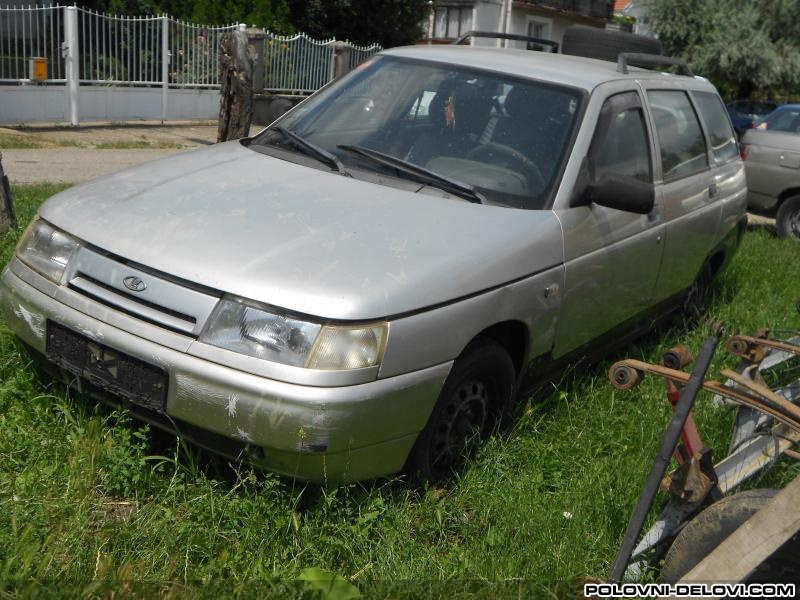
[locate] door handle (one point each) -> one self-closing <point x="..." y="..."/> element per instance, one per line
<point x="712" y="191"/>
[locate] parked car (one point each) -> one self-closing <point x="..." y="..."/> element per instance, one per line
<point x="784" y="118"/>
<point x="745" y="113"/>
<point x="368" y="284"/>
<point x="772" y="163"/>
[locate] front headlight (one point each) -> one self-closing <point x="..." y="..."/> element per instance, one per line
<point x="242" y="327"/>
<point x="46" y="250"/>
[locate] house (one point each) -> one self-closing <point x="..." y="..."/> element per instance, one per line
<point x="546" y="19"/>
<point x="636" y="10"/>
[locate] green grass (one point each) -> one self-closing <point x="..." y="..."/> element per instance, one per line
<point x="17" y="142"/>
<point x="92" y="503"/>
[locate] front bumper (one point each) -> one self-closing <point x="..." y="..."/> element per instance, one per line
<point x="320" y="434"/>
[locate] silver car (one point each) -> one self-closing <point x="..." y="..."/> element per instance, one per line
<point x="368" y="284"/>
<point x="772" y="163"/>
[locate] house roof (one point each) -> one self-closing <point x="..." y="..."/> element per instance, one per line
<point x="619" y="5"/>
<point x="575" y="71"/>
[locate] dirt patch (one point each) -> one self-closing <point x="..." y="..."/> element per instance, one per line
<point x="110" y="136"/>
<point x="57" y="153"/>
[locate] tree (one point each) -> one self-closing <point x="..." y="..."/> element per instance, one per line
<point x="270" y="14"/>
<point x="387" y="22"/>
<point x="741" y="45"/>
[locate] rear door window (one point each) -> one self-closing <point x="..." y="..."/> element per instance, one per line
<point x="720" y="132"/>
<point x="680" y="139"/>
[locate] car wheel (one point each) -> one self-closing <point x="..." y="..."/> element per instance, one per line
<point x="476" y="394"/>
<point x="787" y="220"/>
<point x="712" y="526"/>
<point x="694" y="303"/>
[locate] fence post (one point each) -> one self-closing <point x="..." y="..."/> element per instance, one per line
<point x="332" y="67"/>
<point x="165" y="60"/>
<point x="70" y="52"/>
<point x="342" y="59"/>
<point x="256" y="39"/>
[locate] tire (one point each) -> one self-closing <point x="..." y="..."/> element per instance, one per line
<point x="712" y="526"/>
<point x="603" y="44"/>
<point x="696" y="298"/>
<point x="476" y="395"/>
<point x="787" y="219"/>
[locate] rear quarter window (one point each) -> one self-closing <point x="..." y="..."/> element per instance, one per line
<point x="720" y="132"/>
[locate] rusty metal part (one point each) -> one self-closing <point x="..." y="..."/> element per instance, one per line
<point x="779" y="408"/>
<point x="677" y="358"/>
<point x="792" y="454"/>
<point x="624" y="377"/>
<point x="669" y="440"/>
<point x="748" y="459"/>
<point x="757" y="387"/>
<point x="753" y="348"/>
<point x="693" y="480"/>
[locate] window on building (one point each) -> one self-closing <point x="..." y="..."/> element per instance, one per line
<point x="451" y="22"/>
<point x="538" y="28"/>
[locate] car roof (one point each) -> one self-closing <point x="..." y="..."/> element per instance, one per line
<point x="576" y="71"/>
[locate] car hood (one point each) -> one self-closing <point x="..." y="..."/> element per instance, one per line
<point x="301" y="238"/>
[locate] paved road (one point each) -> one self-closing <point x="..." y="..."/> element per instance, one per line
<point x="72" y="165"/>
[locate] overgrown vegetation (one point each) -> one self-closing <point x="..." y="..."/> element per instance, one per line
<point x="746" y="48"/>
<point x="92" y="503"/>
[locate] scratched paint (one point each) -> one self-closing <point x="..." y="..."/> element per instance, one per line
<point x="233" y="399"/>
<point x="34" y="321"/>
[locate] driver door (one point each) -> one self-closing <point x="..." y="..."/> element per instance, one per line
<point x="612" y="257"/>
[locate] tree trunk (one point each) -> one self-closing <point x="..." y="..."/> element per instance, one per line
<point x="7" y="217"/>
<point x="236" y="93"/>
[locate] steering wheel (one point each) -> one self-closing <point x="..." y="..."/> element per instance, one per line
<point x="515" y="155"/>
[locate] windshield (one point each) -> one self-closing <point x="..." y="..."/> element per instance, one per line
<point x="506" y="137"/>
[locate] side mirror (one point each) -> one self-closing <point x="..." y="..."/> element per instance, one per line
<point x="623" y="193"/>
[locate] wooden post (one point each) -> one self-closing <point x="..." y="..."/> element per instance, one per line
<point x="236" y="92"/>
<point x="7" y="217"/>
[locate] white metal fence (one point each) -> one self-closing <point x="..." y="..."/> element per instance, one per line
<point x="28" y="32"/>
<point x="301" y="65"/>
<point x="359" y="54"/>
<point x="85" y="48"/>
<point x="109" y="49"/>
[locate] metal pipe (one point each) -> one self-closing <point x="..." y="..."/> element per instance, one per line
<point x="73" y="69"/>
<point x="164" y="65"/>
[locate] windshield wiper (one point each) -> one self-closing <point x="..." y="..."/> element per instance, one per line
<point x="320" y="153"/>
<point x="421" y="174"/>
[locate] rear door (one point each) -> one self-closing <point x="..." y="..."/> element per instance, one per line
<point x="684" y="186"/>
